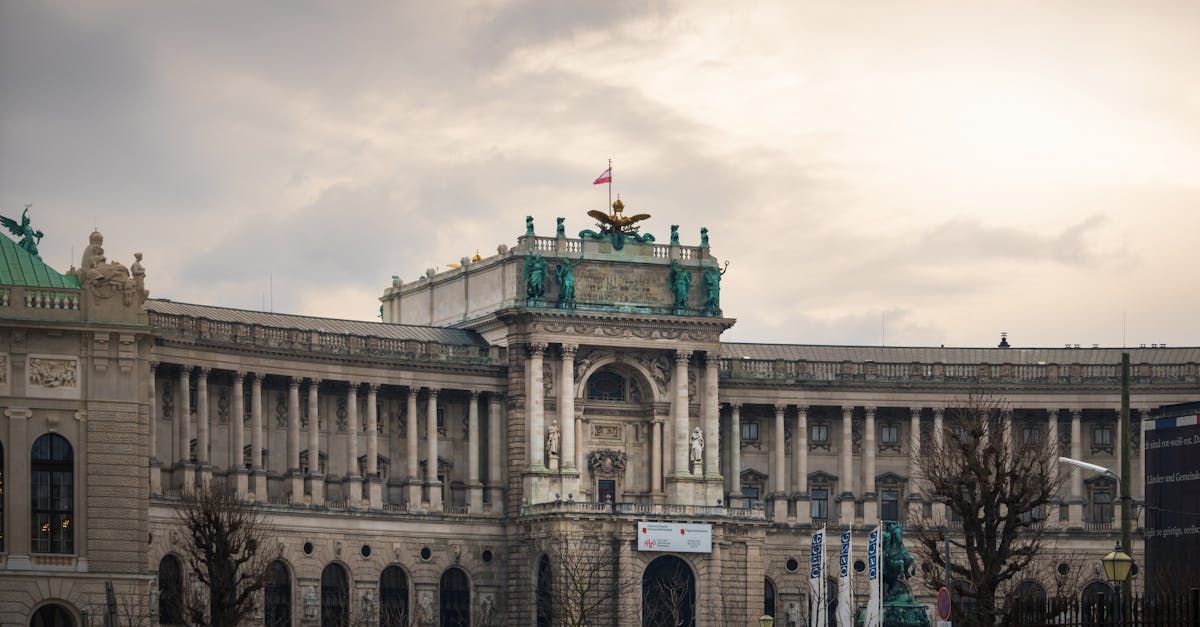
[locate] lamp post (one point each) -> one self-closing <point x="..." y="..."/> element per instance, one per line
<point x="766" y="621"/>
<point x="1123" y="490"/>
<point x="1117" y="565"/>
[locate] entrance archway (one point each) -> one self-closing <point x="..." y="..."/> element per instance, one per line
<point x="668" y="593"/>
<point x="52" y="615"/>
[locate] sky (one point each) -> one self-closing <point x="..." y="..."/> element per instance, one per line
<point x="906" y="173"/>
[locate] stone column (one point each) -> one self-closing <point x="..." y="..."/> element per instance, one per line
<point x="19" y="540"/>
<point x="914" y="453"/>
<point x="316" y="478"/>
<point x="803" y="511"/>
<point x="712" y="418"/>
<point x="431" y="451"/>
<point x="1055" y="506"/>
<point x="474" y="487"/>
<point x="495" y="442"/>
<point x="779" y="475"/>
<point x="566" y="407"/>
<point x="679" y="411"/>
<point x="735" y="454"/>
<point x="374" y="481"/>
<point x="187" y="478"/>
<point x="155" y="465"/>
<point x="412" y="457"/>
<point x="939" y="431"/>
<point x="1075" y="503"/>
<point x="295" y="478"/>
<point x="353" y="480"/>
<point x="237" y="464"/>
<point x="870" y="497"/>
<point x="656" y="456"/>
<point x="256" y="439"/>
<point x="846" y="454"/>
<point x="203" y="463"/>
<point x="534" y="404"/>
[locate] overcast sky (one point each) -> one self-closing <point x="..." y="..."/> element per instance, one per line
<point x="956" y="169"/>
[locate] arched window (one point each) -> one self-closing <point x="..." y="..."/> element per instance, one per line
<point x="335" y="597"/>
<point x="1098" y="604"/>
<point x="545" y="593"/>
<point x="668" y="593"/>
<point x="606" y="385"/>
<point x="170" y="591"/>
<point x="1031" y="602"/>
<point x="769" y="598"/>
<point x="52" y="615"/>
<point x="456" y="599"/>
<point x="52" y="490"/>
<point x="393" y="598"/>
<point x="277" y="596"/>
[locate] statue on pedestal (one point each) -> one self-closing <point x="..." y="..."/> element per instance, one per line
<point x="565" y="272"/>
<point x="535" y="276"/>
<point x="552" y="439"/>
<point x="696" y="449"/>
<point x="29" y="237"/>
<point x="681" y="283"/>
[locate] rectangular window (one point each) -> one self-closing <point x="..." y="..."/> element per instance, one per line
<point x="749" y="431"/>
<point x="889" y="435"/>
<point x="1030" y="433"/>
<point x="820" y="503"/>
<point x="606" y="491"/>
<point x="53" y="496"/>
<point x="1102" y="508"/>
<point x="889" y="505"/>
<point x="1102" y="436"/>
<point x="749" y="496"/>
<point x="818" y="434"/>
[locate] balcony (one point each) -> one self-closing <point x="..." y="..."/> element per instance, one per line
<point x="645" y="510"/>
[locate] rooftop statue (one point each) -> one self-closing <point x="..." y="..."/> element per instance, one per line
<point x="535" y="276"/>
<point x="711" y="280"/>
<point x="29" y="237"/>
<point x="565" y="272"/>
<point x="617" y="227"/>
<point x="681" y="283"/>
<point x="105" y="279"/>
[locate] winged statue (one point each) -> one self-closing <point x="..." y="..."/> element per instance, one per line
<point x="29" y="237"/>
<point x="617" y="226"/>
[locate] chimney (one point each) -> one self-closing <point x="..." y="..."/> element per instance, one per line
<point x="1003" y="340"/>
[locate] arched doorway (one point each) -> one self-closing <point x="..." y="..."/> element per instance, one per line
<point x="769" y="598"/>
<point x="1031" y="602"/>
<point x="393" y="597"/>
<point x="456" y="598"/>
<point x="668" y="593"/>
<point x="545" y="593"/>
<point x="277" y="596"/>
<point x="170" y="591"/>
<point x="335" y="597"/>
<point x="52" y="615"/>
<point x="1098" y="604"/>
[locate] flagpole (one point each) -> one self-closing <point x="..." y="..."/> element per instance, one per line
<point x="610" y="183"/>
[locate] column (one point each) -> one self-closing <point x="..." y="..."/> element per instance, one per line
<point x="846" y="453"/>
<point x="735" y="455"/>
<point x="495" y="440"/>
<point x="656" y="455"/>
<point x="256" y="439"/>
<point x="203" y="464"/>
<point x="870" y="497"/>
<point x="19" y="543"/>
<point x="316" y="478"/>
<point x="1052" y="470"/>
<point x="939" y="430"/>
<point x="712" y="417"/>
<point x="186" y="478"/>
<point x="237" y="464"/>
<point x="374" y="481"/>
<point x="1075" y="503"/>
<point x="914" y="453"/>
<point x="779" y="477"/>
<point x="679" y="411"/>
<point x="412" y="459"/>
<point x="295" y="478"/>
<point x="431" y="451"/>
<point x="803" y="511"/>
<point x="353" y="480"/>
<point x="566" y="407"/>
<point x="155" y="465"/>
<point x="534" y="405"/>
<point x="474" y="487"/>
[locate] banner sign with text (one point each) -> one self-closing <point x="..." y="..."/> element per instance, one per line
<point x="674" y="537"/>
<point x="1172" y="499"/>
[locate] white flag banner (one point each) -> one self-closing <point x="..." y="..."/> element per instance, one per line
<point x="816" y="580"/>
<point x="845" y="608"/>
<point x="874" y="614"/>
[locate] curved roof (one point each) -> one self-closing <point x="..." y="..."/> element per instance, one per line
<point x="18" y="267"/>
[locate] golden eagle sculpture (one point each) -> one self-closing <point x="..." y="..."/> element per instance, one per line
<point x="617" y="227"/>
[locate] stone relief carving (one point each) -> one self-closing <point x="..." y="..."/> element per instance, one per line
<point x="168" y="402"/>
<point x="310" y="602"/>
<point x="604" y="431"/>
<point x="341" y="414"/>
<point x="402" y="419"/>
<point x="53" y="373"/>
<point x="607" y="461"/>
<point x="691" y="383"/>
<point x="856" y="437"/>
<point x="223" y="406"/>
<point x="548" y="378"/>
<point x="281" y="411"/>
<point x="487" y="604"/>
<point x="3" y="369"/>
<point x="425" y="605"/>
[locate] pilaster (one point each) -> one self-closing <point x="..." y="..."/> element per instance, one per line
<point x="155" y="465"/>
<point x="474" y="486"/>
<point x="237" y="464"/>
<point x="735" y="454"/>
<point x="295" y="478"/>
<point x="431" y="451"/>
<point x="870" y="497"/>
<point x="374" y="481"/>
<point x="354" y="484"/>
<point x="316" y="478"/>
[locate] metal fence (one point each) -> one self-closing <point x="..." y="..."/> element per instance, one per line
<point x="1101" y="610"/>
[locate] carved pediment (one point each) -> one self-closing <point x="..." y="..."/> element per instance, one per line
<point x="890" y="478"/>
<point x="821" y="476"/>
<point x="752" y="475"/>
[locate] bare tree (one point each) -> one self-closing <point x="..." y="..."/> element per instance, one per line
<point x="669" y="599"/>
<point x="225" y="554"/>
<point x="583" y="584"/>
<point x="999" y="487"/>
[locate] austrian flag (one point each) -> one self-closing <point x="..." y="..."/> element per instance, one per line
<point x="605" y="177"/>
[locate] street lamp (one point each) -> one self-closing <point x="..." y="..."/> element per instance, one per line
<point x="766" y="621"/>
<point x="1116" y="567"/>
<point x="1096" y="468"/>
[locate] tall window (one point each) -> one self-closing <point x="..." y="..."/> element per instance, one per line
<point x="749" y="431"/>
<point x="393" y="598"/>
<point x="170" y="591"/>
<point x="818" y="433"/>
<point x="545" y="593"/>
<point x="53" y="495"/>
<point x="1102" y="438"/>
<point x="456" y="599"/>
<point x="768" y="597"/>
<point x="889" y="505"/>
<point x="820" y="503"/>
<point x="1102" y="506"/>
<point x="277" y="596"/>
<point x="335" y="597"/>
<point x="889" y="435"/>
<point x="1" y="497"/>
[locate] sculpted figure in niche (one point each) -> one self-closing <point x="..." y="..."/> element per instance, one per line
<point x="681" y="283"/>
<point x="696" y="450"/>
<point x="552" y="439"/>
<point x="535" y="276"/>
<point x="565" y="273"/>
<point x="711" y="280"/>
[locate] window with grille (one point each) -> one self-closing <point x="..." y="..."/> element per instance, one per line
<point x="53" y="494"/>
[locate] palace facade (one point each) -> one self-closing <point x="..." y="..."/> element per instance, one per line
<point x="563" y="387"/>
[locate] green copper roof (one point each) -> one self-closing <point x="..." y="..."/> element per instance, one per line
<point x="18" y="267"/>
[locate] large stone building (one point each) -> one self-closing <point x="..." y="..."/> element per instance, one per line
<point x="563" y="386"/>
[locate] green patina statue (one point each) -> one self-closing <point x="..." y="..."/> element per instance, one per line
<point x="899" y="607"/>
<point x="711" y="280"/>
<point x="565" y="272"/>
<point x="535" y="276"/>
<point x="674" y="234"/>
<point x="681" y="283"/>
<point x="560" y="231"/>
<point x="528" y="226"/>
<point x="616" y="227"/>
<point x="704" y="237"/>
<point x="29" y="237"/>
